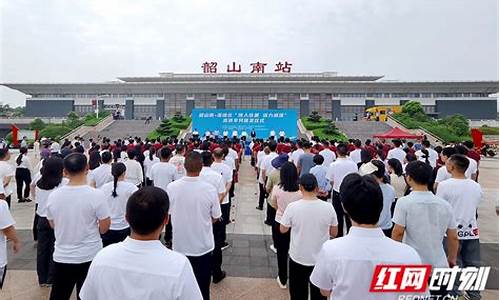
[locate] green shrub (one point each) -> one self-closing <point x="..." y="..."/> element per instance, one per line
<point x="55" y="131"/>
<point x="37" y="124"/>
<point x="487" y="130"/>
<point x="314" y="117"/>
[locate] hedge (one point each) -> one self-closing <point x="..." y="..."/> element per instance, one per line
<point x="318" y="128"/>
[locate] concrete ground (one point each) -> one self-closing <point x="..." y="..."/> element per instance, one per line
<point x="250" y="265"/>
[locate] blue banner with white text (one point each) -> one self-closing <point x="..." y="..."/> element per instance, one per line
<point x="262" y="121"/>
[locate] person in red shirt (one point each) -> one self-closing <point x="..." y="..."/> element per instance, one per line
<point x="370" y="148"/>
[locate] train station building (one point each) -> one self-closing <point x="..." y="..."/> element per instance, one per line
<point x="333" y="96"/>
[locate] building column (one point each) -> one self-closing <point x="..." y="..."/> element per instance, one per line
<point x="129" y="109"/>
<point x="272" y="104"/>
<point x="100" y="105"/>
<point x="190" y="106"/>
<point x="221" y="104"/>
<point x="160" y="108"/>
<point x="304" y="108"/>
<point x="336" y="110"/>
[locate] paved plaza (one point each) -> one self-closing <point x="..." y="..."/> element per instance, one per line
<point x="250" y="265"/>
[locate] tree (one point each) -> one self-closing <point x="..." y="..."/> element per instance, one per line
<point x="457" y="124"/>
<point x="314" y="117"/>
<point x="37" y="124"/>
<point x="413" y="108"/>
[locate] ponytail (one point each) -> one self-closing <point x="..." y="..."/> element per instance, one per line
<point x="151" y="152"/>
<point x="117" y="170"/>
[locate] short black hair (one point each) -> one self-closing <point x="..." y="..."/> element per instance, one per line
<point x="272" y="146"/>
<point x="165" y="152"/>
<point x="318" y="159"/>
<point x="75" y="163"/>
<point x="468" y="144"/>
<point x="461" y="149"/>
<point x="397" y="143"/>
<point x="146" y="209"/>
<point x="460" y="161"/>
<point x="448" y="151"/>
<point x="193" y="162"/>
<point x="131" y="154"/>
<point x="342" y="149"/>
<point x="362" y="198"/>
<point x="308" y="182"/>
<point x="419" y="171"/>
<point x="426" y="143"/>
<point x="106" y="157"/>
<point x="380" y="173"/>
<point x="207" y="158"/>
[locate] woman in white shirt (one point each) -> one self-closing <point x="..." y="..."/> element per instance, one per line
<point x="396" y="176"/>
<point x="51" y="178"/>
<point x="117" y="194"/>
<point x="284" y="193"/>
<point x="150" y="160"/>
<point x="23" y="175"/>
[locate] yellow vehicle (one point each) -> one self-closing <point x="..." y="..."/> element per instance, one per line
<point x="379" y="113"/>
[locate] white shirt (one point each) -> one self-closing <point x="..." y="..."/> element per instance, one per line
<point x="214" y="178"/>
<point x="310" y="221"/>
<point x="433" y="156"/>
<point x="134" y="171"/>
<point x="339" y="169"/>
<point x="413" y="212"/>
<point x="101" y="175"/>
<point x="25" y="162"/>
<point x="472" y="168"/>
<point x="162" y="174"/>
<point x="118" y="205"/>
<point x="272" y="133"/>
<point x="227" y="176"/>
<point x="193" y="204"/>
<point x="41" y="197"/>
<point x="295" y="155"/>
<point x="345" y="265"/>
<point x="6" y="221"/>
<point x="148" y="164"/>
<point x="464" y="196"/>
<point x="75" y="211"/>
<point x="328" y="155"/>
<point x="6" y="170"/>
<point x="55" y="147"/>
<point x="235" y="133"/>
<point x="282" y="133"/>
<point x="178" y="162"/>
<point x="397" y="153"/>
<point x="355" y="155"/>
<point x="144" y="270"/>
<point x="266" y="164"/>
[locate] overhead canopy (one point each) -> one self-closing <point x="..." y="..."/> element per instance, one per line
<point x="396" y="133"/>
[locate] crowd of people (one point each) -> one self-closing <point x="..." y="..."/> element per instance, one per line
<point x="133" y="218"/>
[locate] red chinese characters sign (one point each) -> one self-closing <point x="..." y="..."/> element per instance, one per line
<point x="257" y="67"/>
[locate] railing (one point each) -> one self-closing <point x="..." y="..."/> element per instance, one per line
<point x="433" y="139"/>
<point x="84" y="129"/>
<point x="303" y="130"/>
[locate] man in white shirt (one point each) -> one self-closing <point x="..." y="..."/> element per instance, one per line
<point x="261" y="156"/>
<point x="312" y="222"/>
<point x="7" y="172"/>
<point x="464" y="195"/>
<point x="471" y="171"/>
<point x="328" y="155"/>
<point x="397" y="152"/>
<point x="163" y="173"/>
<point x="102" y="174"/>
<point x="7" y="232"/>
<point x="141" y="267"/>
<point x="433" y="155"/>
<point x="336" y="173"/>
<point x="227" y="175"/>
<point x="422" y="220"/>
<point x="215" y="178"/>
<point x="355" y="155"/>
<point x="134" y="169"/>
<point x="194" y="207"/>
<point x="345" y="266"/>
<point x="297" y="153"/>
<point x="79" y="215"/>
<point x="266" y="164"/>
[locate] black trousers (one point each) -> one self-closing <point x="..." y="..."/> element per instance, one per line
<point x="226" y="215"/>
<point x="114" y="236"/>
<point x="66" y="276"/>
<point x="35" y="224"/>
<point x="44" y="251"/>
<point x="202" y="269"/>
<point x="299" y="286"/>
<point x="341" y="216"/>
<point x="218" y="229"/>
<point x="8" y="200"/>
<point x="282" y="246"/>
<point x="270" y="214"/>
<point x="262" y="195"/>
<point x="3" y="273"/>
<point x="23" y="176"/>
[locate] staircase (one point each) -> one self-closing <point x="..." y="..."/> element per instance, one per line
<point x="125" y="128"/>
<point x="362" y="130"/>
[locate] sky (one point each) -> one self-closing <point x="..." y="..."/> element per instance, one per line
<point x="99" y="40"/>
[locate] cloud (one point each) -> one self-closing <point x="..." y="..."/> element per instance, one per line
<point x="96" y="40"/>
